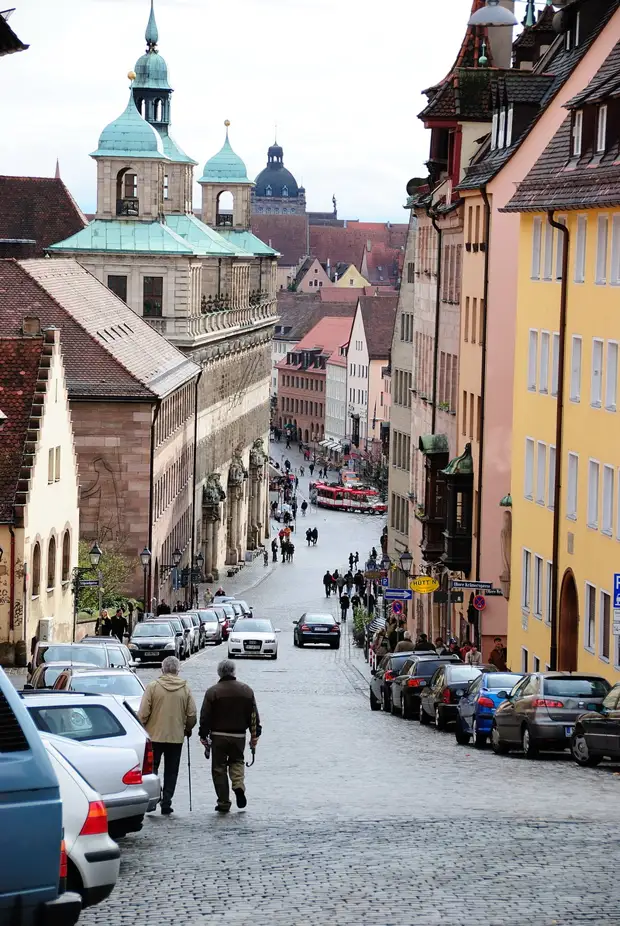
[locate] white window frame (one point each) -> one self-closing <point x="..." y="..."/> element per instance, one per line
<point x="551" y="479"/>
<point x="589" y="623"/>
<point x="555" y="362"/>
<point x="548" y="590"/>
<point x="541" y="471"/>
<point x="572" y="486"/>
<point x="614" y="268"/>
<point x="509" y="119"/>
<point x="494" y="131"/>
<point x="576" y="131"/>
<point x="602" y="234"/>
<point x="607" y="512"/>
<point x="580" y="249"/>
<point x="528" y="478"/>
<point x="548" y="258"/>
<point x="543" y="362"/>
<point x="594" y="493"/>
<point x="575" y="368"/>
<point x="596" y="373"/>
<point x="501" y="133"/>
<point x="536" y="247"/>
<point x="559" y="251"/>
<point x="611" y="376"/>
<point x="526" y="580"/>
<point x="601" y="128"/>
<point x="532" y="359"/>
<point x="538" y="587"/>
<point x="601" y="625"/>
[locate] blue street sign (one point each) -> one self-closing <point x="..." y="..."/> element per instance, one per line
<point x="616" y="589"/>
<point x="457" y="583"/>
<point x="397" y="607"/>
<point x="398" y="594"/>
<point x="385" y="582"/>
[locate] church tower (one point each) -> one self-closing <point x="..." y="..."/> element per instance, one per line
<point x="226" y="190"/>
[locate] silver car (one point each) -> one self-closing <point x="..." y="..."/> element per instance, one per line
<point x="194" y="632"/>
<point x="104" y="653"/>
<point x="98" y="720"/>
<point x="122" y="684"/>
<point x="211" y="627"/>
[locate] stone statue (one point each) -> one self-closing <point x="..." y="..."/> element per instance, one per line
<point x="506" y="542"/>
<point x="236" y="472"/>
<point x="213" y="493"/>
<point x="258" y="457"/>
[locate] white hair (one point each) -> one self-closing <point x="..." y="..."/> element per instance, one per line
<point x="407" y="635"/>
<point x="226" y="669"/>
<point x="170" y="665"/>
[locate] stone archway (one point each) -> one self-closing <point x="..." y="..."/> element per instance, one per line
<point x="568" y="624"/>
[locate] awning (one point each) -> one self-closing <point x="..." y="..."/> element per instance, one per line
<point x="324" y="443"/>
<point x="434" y="443"/>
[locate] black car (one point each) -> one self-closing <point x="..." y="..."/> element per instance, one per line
<point x="388" y="669"/>
<point x="414" y="676"/>
<point x="317" y="628"/>
<point x="440" y="698"/>
<point x="597" y="733"/>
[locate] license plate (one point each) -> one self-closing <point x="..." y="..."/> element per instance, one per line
<point x="319" y="630"/>
<point x="568" y="731"/>
<point x="252" y="646"/>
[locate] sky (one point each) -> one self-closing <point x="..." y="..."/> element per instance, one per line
<point x="341" y="79"/>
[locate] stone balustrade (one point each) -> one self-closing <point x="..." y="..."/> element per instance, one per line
<point x="217" y="323"/>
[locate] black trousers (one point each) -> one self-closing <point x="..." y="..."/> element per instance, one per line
<point x="171" y="753"/>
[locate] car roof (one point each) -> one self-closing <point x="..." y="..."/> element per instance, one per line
<point x="101" y="670"/>
<point x="566" y="674"/>
<point x="318" y="614"/>
<point x="63" y="664"/>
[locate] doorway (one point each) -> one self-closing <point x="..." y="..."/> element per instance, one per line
<point x="568" y="624"/>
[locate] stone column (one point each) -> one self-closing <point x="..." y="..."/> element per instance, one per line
<point x="236" y="475"/>
<point x="239" y="524"/>
<point x="212" y="497"/>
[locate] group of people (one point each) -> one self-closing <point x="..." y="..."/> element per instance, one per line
<point x="394" y="638"/>
<point x="116" y="626"/>
<point x="287" y="548"/>
<point x="312" y="535"/>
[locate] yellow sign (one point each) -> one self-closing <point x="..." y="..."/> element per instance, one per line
<point x="423" y="585"/>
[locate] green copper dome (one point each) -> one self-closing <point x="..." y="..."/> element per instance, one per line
<point x="129" y="136"/>
<point x="151" y="69"/>
<point x="225" y="166"/>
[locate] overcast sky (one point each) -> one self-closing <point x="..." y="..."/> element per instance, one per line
<point x="342" y="79"/>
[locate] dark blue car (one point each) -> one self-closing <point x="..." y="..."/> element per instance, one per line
<point x="476" y="709"/>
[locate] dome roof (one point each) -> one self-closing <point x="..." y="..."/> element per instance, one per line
<point x="151" y="69"/>
<point x="225" y="166"/>
<point x="275" y="179"/>
<point x="130" y="136"/>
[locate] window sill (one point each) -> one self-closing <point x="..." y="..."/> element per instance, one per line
<point x="51" y="589"/>
<point x="65" y="582"/>
<point x="604" y="659"/>
<point x="610" y="408"/>
<point x="538" y="617"/>
<point x="35" y="597"/>
<point x="595" y="404"/>
<point x="571" y="517"/>
<point x="550" y="507"/>
<point x="541" y="502"/>
<point x="575" y="399"/>
<point x="530" y="498"/>
<point x="525" y="611"/>
<point x="592" y="527"/>
<point x="607" y="534"/>
<point x="543" y="392"/>
<point x="589" y="649"/>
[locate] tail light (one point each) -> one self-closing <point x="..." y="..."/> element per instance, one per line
<point x="63" y="868"/>
<point x="133" y="776"/>
<point x="446" y="696"/>
<point x="485" y="702"/>
<point x="546" y="702"/>
<point x="389" y="676"/>
<point x="415" y="683"/>
<point x="335" y="628"/>
<point x="304" y="627"/>
<point x="148" y="761"/>
<point x="97" y="820"/>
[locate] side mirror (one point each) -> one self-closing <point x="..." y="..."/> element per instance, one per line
<point x="278" y="630"/>
<point x="28" y="687"/>
<point x="502" y="694"/>
<point x="295" y="622"/>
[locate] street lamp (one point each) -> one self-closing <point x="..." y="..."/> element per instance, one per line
<point x="145" y="559"/>
<point x="386" y="562"/>
<point x="200" y="561"/>
<point x="176" y="557"/>
<point x="95" y="554"/>
<point x="493" y="15"/>
<point x="406" y="561"/>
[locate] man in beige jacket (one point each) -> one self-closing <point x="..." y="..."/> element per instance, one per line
<point x="168" y="712"/>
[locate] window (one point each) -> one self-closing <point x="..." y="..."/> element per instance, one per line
<point x="532" y="360"/>
<point x="88" y="722"/>
<point x="51" y="563"/>
<point x="524" y="660"/>
<point x="590" y="621"/>
<point x="536" y="246"/>
<point x="614" y="270"/>
<point x="509" y="118"/>
<point x="501" y="133"/>
<point x="57" y="464"/>
<point x="549" y="590"/>
<point x="118" y="285"/>
<point x="593" y="480"/>
<point x="596" y="373"/>
<point x="577" y="133"/>
<point x="526" y="572"/>
<point x="538" y="587"/>
<point x="571" y="495"/>
<point x="528" y="487"/>
<point x="541" y="471"/>
<point x="575" y="372"/>
<point x="165" y="186"/>
<point x="551" y="489"/>
<point x="66" y="556"/>
<point x="410" y="272"/>
<point x="284" y="191"/>
<point x="611" y="376"/>
<point x="536" y="664"/>
<point x="580" y="249"/>
<point x="548" y="264"/>
<point x="559" y="252"/>
<point x="152" y="297"/>
<point x="494" y="132"/>
<point x="543" y="375"/>
<point x="605" y="612"/>
<point x="601" y="250"/>
<point x="36" y="570"/>
<point x="601" y="128"/>
<point x="51" y="459"/>
<point x="555" y="362"/>
<point x="608" y="500"/>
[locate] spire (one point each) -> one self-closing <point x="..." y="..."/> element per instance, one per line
<point x="530" y="15"/>
<point x="57" y="171"/>
<point x="151" y="35"/>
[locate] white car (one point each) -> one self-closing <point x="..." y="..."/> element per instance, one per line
<point x="253" y="637"/>
<point x="122" y="684"/>
<point x="115" y="773"/>
<point x="93" y="857"/>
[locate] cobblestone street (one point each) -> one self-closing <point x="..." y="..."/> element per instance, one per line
<point x="359" y="818"/>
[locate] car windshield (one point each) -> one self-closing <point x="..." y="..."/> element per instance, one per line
<point x="576" y="687"/>
<point x="461" y="673"/>
<point x="152" y="630"/>
<point x="186" y="623"/>
<point x="253" y="627"/>
<point x="177" y="625"/>
<point x="499" y="681"/>
<point x="93" y="655"/>
<point x="397" y="662"/>
<point x="77" y="722"/>
<point x="228" y="610"/>
<point x="119" y="684"/>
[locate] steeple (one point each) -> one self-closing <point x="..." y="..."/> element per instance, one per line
<point x="151" y="35"/>
<point x="57" y="171"/>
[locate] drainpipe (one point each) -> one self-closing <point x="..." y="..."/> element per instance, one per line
<point x="437" y="315"/>
<point x="12" y="582"/>
<point x="193" y="543"/>
<point x="483" y="370"/>
<point x="151" y="501"/>
<point x="559" y="437"/>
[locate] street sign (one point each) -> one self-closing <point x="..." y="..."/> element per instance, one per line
<point x="479" y="603"/>
<point x="616" y="623"/>
<point x="423" y="585"/>
<point x="385" y="582"/>
<point x="616" y="589"/>
<point x="397" y="607"/>
<point x="89" y="583"/>
<point x="493" y="591"/>
<point x="395" y="594"/>
<point x="457" y="583"/>
<point x="372" y="575"/>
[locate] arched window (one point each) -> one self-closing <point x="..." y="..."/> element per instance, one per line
<point x="225" y="207"/>
<point x="158" y="110"/>
<point x="51" y="563"/>
<point x="268" y="190"/>
<point x="36" y="570"/>
<point x="284" y="191"/>
<point x="126" y="192"/>
<point x="66" y="556"/>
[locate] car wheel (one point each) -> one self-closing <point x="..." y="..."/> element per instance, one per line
<point x="275" y="656"/>
<point x="499" y="748"/>
<point x="530" y="750"/>
<point x="335" y="645"/>
<point x="374" y="703"/>
<point x="580" y="752"/>
<point x="231" y="655"/>
<point x="396" y="711"/>
<point x="300" y="644"/>
<point x="480" y="739"/>
<point x="294" y="640"/>
<point x="462" y="737"/>
<point x="440" y="722"/>
<point x="424" y="718"/>
<point x="385" y="702"/>
<point x="407" y="712"/>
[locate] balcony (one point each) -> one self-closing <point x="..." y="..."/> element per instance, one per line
<point x="432" y="545"/>
<point x="128" y="206"/>
<point x="215" y="324"/>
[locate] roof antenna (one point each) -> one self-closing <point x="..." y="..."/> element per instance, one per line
<point x="275" y="134"/>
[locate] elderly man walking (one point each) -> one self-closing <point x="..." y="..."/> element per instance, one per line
<point x="228" y="711"/>
<point x="168" y="712"/>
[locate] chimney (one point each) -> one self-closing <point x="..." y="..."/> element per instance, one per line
<point x="31" y="326"/>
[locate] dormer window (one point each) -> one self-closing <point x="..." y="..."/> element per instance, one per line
<point x="601" y="128"/>
<point x="494" y="130"/>
<point x="509" y="116"/>
<point x="572" y="33"/>
<point x="284" y="191"/>
<point x="501" y="134"/>
<point x="268" y="190"/>
<point x="577" y="133"/>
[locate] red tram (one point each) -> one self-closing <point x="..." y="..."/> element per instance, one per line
<point x="348" y="498"/>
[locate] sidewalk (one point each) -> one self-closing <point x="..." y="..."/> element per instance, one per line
<point x="251" y="575"/>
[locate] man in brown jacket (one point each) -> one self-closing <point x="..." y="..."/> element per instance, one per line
<point x="168" y="712"/>
<point x="228" y="710"/>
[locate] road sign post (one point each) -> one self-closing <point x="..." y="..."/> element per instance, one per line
<point x="398" y="594"/>
<point x="479" y="603"/>
<point x="397" y="607"/>
<point x="616" y="589"/>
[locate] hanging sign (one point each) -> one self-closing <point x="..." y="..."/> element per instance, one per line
<point x="423" y="585"/>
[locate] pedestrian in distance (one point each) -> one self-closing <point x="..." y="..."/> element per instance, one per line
<point x="228" y="712"/>
<point x="356" y="558"/>
<point x="351" y="562"/>
<point x="274" y="550"/>
<point x="348" y="579"/>
<point x="119" y="624"/>
<point x="162" y="608"/>
<point x="168" y="713"/>
<point x="355" y="602"/>
<point x="315" y="536"/>
<point x="340" y="584"/>
<point x="287" y="465"/>
<point x="103" y="627"/>
<point x="424" y="644"/>
<point x="327" y="582"/>
<point x="391" y="632"/>
<point x="304" y="508"/>
<point x="345" y="602"/>
<point x="474" y="656"/>
<point x="301" y="471"/>
<point x="440" y="646"/>
<point x="404" y="645"/>
<point x="370" y="603"/>
<point x="497" y="656"/>
<point x="311" y="468"/>
<point x="309" y="536"/>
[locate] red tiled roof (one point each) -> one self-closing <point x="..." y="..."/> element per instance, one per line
<point x="328" y="334"/>
<point x="382" y="265"/>
<point x="342" y="294"/>
<point x="379" y="315"/>
<point x="19" y="371"/>
<point x="288" y="234"/>
<point x="347" y="245"/>
<point x="37" y="209"/>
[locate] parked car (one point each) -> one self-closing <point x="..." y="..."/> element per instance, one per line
<point x="48" y="672"/>
<point x="212" y="629"/>
<point x="252" y="637"/>
<point x="97" y="719"/>
<point x="122" y="684"/>
<point x="180" y="631"/>
<point x="221" y="599"/>
<point x="247" y="608"/>
<point x="194" y="632"/>
<point x="441" y="696"/>
<point x="105" y="651"/>
<point x="118" y="654"/>
<point x="113" y="771"/>
<point x="541" y="711"/>
<point x="597" y="733"/>
<point x="229" y="611"/>
<point x="476" y="709"/>
<point x="152" y="641"/>
<point x="317" y="627"/>
<point x="238" y="609"/>
<point x="222" y="617"/>
<point x="407" y="687"/>
<point x="383" y="676"/>
<point x="93" y="857"/>
<point x="195" y="619"/>
<point x="32" y="875"/>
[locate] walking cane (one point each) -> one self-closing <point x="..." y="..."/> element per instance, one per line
<point x="189" y="773"/>
<point x="253" y="735"/>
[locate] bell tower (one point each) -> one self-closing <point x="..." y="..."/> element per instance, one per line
<point x="226" y="190"/>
